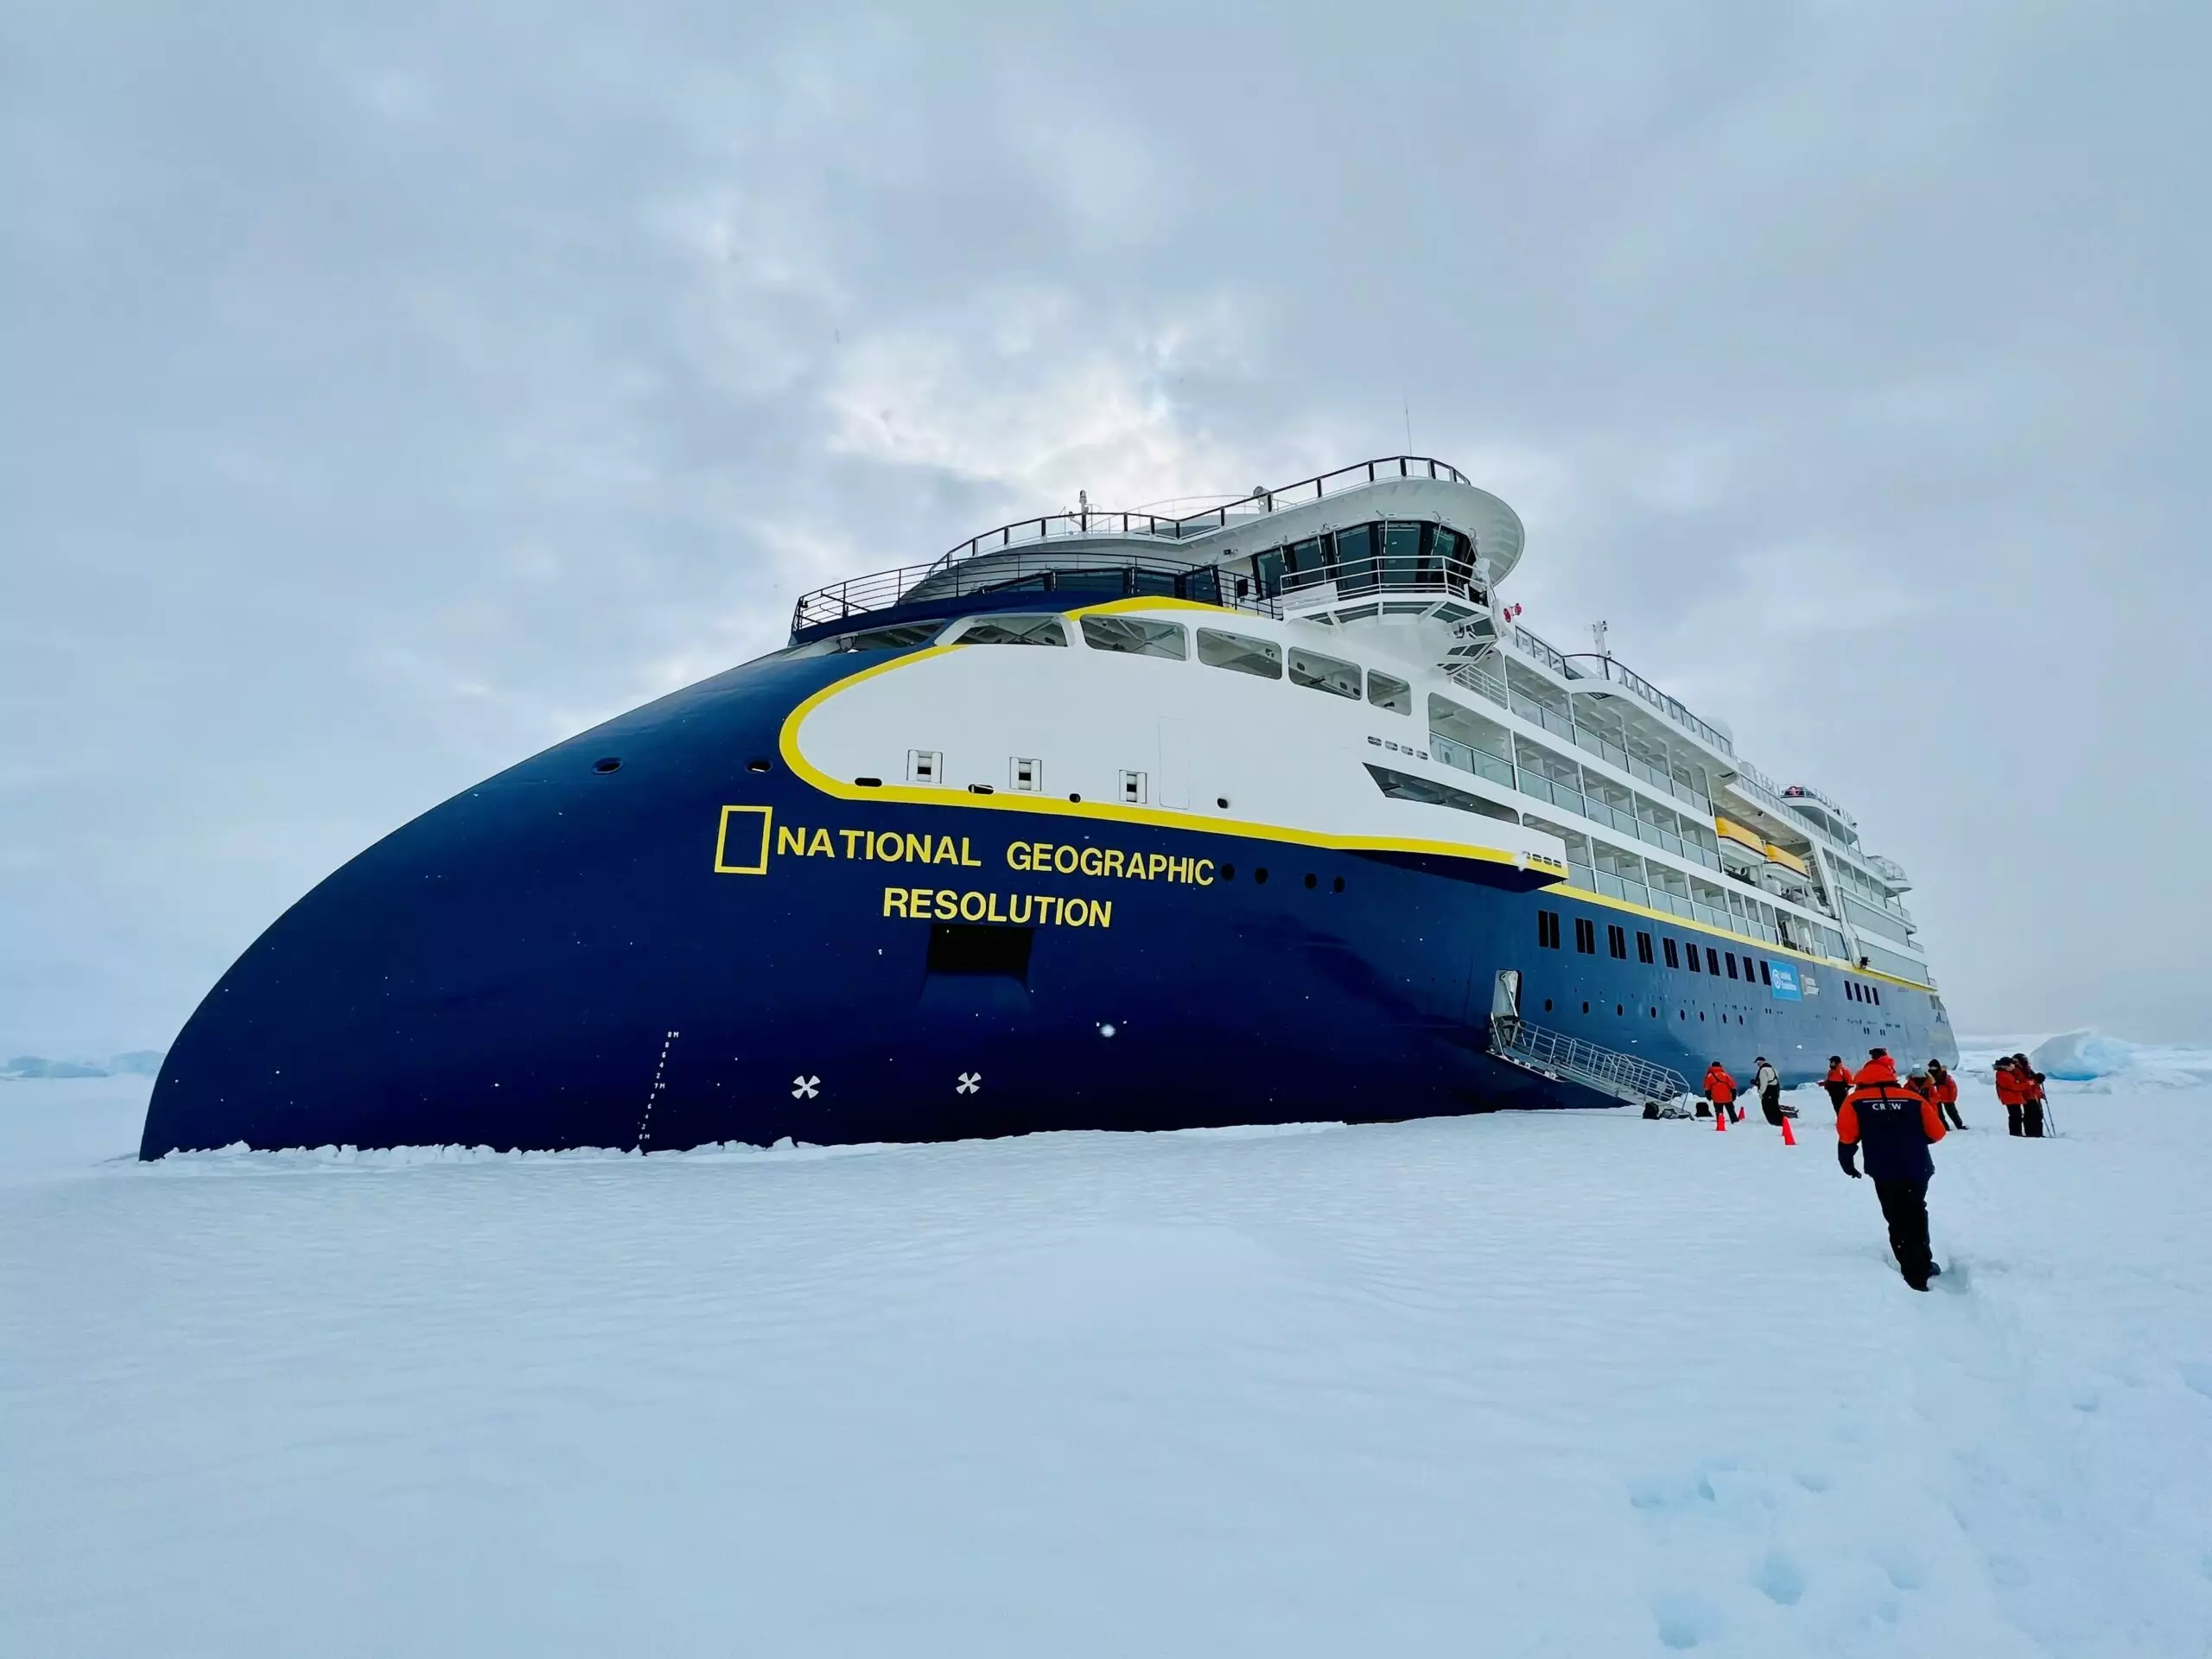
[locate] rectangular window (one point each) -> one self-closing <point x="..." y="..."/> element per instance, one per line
<point x="1616" y="941"/>
<point x="1010" y="630"/>
<point x="1026" y="774"/>
<point x="1586" y="936"/>
<point x="1766" y="973"/>
<point x="1643" y="947"/>
<point x="1135" y="636"/>
<point x="1137" y="789"/>
<point x="1548" y="929"/>
<point x="1730" y="959"/>
<point x="1384" y="692"/>
<point x="1674" y="958"/>
<point x="1330" y="674"/>
<point x="1711" y="962"/>
<point x="1240" y="653"/>
<point x="1692" y="950"/>
<point x="1877" y="996"/>
<point x="924" y="766"/>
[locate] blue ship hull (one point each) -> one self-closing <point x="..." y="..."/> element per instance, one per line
<point x="688" y="949"/>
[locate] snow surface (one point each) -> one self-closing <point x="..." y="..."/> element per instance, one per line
<point x="1571" y="1384"/>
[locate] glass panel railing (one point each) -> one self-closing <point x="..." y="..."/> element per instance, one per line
<point x="1467" y="758"/>
<point x="1582" y="876"/>
<point x="1610" y="886"/>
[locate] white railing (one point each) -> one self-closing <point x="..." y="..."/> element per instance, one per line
<point x="1570" y="1059"/>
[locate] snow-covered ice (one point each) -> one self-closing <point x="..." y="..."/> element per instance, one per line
<point x="1572" y="1384"/>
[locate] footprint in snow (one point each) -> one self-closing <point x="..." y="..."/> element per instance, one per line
<point x="1684" y="1622"/>
<point x="1780" y="1579"/>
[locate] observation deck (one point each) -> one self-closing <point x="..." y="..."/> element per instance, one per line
<point x="1249" y="553"/>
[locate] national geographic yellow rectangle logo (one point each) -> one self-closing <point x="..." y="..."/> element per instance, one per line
<point x="736" y="839"/>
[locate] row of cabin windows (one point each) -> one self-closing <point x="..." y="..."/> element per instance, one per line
<point x="1859" y="993"/>
<point x="1678" y="953"/>
<point x="1240" y="653"/>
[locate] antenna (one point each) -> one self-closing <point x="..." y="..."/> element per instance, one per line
<point x="1598" y="634"/>
<point x="1083" y="498"/>
<point x="1406" y="402"/>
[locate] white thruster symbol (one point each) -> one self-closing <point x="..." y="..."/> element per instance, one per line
<point x="805" y="1088"/>
<point x="970" y="1083"/>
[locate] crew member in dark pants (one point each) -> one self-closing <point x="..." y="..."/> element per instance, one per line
<point x="1896" y="1127"/>
<point x="2030" y="1084"/>
<point x="1720" y="1089"/>
<point x="1947" y="1093"/>
<point x="2008" y="1093"/>
<point x="1837" y="1082"/>
<point x="1768" y="1082"/>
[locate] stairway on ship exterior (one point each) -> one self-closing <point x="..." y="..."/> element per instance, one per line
<point x="1563" y="1058"/>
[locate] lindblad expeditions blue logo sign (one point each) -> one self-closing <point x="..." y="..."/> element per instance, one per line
<point x="1785" y="982"/>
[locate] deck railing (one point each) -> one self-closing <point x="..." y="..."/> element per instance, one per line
<point x="1093" y="522"/>
<point x="1148" y="573"/>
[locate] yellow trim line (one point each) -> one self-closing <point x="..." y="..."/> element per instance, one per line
<point x="1673" y="920"/>
<point x="1113" y="811"/>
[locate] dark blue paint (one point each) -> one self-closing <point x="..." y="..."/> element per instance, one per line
<point x="506" y="971"/>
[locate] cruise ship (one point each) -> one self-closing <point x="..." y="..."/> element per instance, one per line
<point x="1101" y="820"/>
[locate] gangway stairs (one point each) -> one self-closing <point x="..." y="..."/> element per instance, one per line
<point x="1561" y="1058"/>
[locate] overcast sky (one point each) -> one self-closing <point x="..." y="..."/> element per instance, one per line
<point x="387" y="392"/>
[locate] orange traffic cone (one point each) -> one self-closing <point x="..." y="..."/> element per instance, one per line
<point x="1719" y="1118"/>
<point x="1788" y="1139"/>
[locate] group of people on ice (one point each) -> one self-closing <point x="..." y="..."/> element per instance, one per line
<point x="1893" y="1123"/>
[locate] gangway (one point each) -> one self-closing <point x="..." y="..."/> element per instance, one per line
<point x="1563" y="1058"/>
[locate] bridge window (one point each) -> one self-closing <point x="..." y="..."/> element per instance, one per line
<point x="1401" y="555"/>
<point x="1240" y="653"/>
<point x="1010" y="630"/>
<point x="1311" y="668"/>
<point x="1385" y="692"/>
<point x="1136" y="637"/>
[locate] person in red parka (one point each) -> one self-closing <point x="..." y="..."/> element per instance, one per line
<point x="1838" y="1081"/>
<point x="2029" y="1081"/>
<point x="1895" y="1126"/>
<point x="1720" y="1089"/>
<point x="2010" y="1094"/>
<point x="1947" y="1093"/>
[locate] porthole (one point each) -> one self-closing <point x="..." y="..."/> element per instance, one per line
<point x="1222" y="801"/>
<point x="1074" y="796"/>
<point x="1260" y="876"/>
<point x="1337" y="885"/>
<point x="607" y="763"/>
<point x="1229" y="872"/>
<point x="756" y="764"/>
<point x="980" y="789"/>
<point x="1585" y="1008"/>
<point x="1617" y="1010"/>
<point x="1312" y="881"/>
<point x="1548" y="1005"/>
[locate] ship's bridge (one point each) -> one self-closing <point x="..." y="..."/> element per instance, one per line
<point x="1408" y="526"/>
